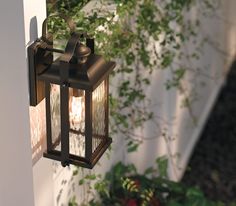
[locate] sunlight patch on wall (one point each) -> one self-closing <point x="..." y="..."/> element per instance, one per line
<point x="38" y="131"/>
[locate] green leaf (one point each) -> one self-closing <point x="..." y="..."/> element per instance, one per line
<point x="194" y="192"/>
<point x="73" y="202"/>
<point x="149" y="171"/>
<point x="179" y="73"/>
<point x="132" y="148"/>
<point x="91" y="177"/>
<point x="81" y="182"/>
<point x="162" y="165"/>
<point x="75" y="172"/>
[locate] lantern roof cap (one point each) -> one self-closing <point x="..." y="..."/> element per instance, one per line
<point x="85" y="76"/>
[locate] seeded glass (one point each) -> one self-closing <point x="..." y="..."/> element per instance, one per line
<point x="55" y="115"/>
<point x="86" y="142"/>
<point x="77" y="122"/>
<point x="76" y="118"/>
<point x="98" y="116"/>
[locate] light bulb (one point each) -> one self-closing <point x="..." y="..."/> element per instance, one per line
<point x="76" y="111"/>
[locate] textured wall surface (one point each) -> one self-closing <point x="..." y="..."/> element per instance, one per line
<point x="218" y="54"/>
<point x="176" y="120"/>
<point x="16" y="180"/>
<point x="53" y="185"/>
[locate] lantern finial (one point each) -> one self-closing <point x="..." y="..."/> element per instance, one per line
<point x="81" y="53"/>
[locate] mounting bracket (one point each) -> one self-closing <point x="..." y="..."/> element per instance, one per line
<point x="39" y="58"/>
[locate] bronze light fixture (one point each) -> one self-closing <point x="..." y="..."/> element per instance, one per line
<point x="76" y="89"/>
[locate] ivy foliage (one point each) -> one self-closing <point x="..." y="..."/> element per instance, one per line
<point x="142" y="36"/>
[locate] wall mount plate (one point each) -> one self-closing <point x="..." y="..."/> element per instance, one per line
<point x="39" y="60"/>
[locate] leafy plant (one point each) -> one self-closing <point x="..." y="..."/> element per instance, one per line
<point x="127" y="187"/>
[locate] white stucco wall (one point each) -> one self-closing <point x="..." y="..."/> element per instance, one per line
<point x="16" y="179"/>
<point x="221" y="30"/>
<point x="46" y="184"/>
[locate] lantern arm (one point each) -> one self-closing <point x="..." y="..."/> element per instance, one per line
<point x="70" y="48"/>
<point x="75" y="52"/>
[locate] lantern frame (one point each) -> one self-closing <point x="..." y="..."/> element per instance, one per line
<point x="87" y="76"/>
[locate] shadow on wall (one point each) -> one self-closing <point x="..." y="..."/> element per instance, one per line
<point x="38" y="113"/>
<point x="33" y="31"/>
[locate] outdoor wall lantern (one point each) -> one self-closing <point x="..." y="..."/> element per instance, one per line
<point x="75" y="86"/>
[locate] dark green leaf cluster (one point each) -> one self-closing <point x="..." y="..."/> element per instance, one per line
<point x="151" y="188"/>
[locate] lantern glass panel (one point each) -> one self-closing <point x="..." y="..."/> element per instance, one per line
<point x="99" y="111"/>
<point x="77" y="122"/>
<point x="55" y="115"/>
<point x="76" y="119"/>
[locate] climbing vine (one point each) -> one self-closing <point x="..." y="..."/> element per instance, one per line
<point x="142" y="36"/>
